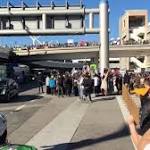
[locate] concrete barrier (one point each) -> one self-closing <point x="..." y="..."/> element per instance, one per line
<point x="132" y="107"/>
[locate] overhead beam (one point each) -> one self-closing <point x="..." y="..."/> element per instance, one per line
<point x="24" y="5"/>
<point x="38" y="5"/>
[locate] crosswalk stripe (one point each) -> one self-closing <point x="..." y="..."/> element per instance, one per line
<point x="20" y="108"/>
<point x="62" y="128"/>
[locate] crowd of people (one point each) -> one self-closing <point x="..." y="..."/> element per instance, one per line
<point x="58" y="45"/>
<point x="136" y="80"/>
<point x="84" y="82"/>
<point x="81" y="83"/>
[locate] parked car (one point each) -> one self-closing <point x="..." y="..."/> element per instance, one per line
<point x="8" y="89"/>
<point x="4" y="145"/>
<point x="3" y="128"/>
<point x="17" y="147"/>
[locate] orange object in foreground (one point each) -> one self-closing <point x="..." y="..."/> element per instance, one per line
<point x="140" y="91"/>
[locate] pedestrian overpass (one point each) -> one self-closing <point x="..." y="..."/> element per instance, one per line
<point x="116" y="51"/>
<point x="69" y="53"/>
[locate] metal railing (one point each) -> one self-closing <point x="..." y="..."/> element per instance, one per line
<point x="77" y="44"/>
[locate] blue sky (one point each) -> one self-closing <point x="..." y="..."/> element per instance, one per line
<point x="117" y="8"/>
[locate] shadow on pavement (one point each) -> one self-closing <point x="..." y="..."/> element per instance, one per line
<point x="27" y="86"/>
<point x="122" y="132"/>
<point x="22" y="98"/>
<point x="107" y="98"/>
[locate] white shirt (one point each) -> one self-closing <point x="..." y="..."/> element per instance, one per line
<point x="96" y="81"/>
<point x="47" y="81"/>
<point x="80" y="80"/>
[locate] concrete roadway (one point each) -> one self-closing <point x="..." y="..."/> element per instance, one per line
<point x="65" y="123"/>
<point x="19" y="109"/>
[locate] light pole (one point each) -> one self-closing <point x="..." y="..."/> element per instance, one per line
<point x="104" y="35"/>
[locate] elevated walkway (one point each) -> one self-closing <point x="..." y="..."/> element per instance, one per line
<point x="61" y="53"/>
<point x="137" y="62"/>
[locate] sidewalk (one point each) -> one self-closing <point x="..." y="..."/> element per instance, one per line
<point x="88" y="126"/>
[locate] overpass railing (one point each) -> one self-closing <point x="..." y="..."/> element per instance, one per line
<point x="75" y="44"/>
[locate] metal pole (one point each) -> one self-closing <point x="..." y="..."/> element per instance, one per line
<point x="104" y="35"/>
<point x="91" y="20"/>
<point x="44" y="21"/>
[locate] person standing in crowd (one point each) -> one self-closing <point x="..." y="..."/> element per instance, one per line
<point x="64" y="89"/>
<point x="126" y="79"/>
<point x="68" y="85"/>
<point x="75" y="86"/>
<point x="88" y="84"/>
<point x="104" y="83"/>
<point x="60" y="86"/>
<point x="119" y="83"/>
<point x="80" y="86"/>
<point x="47" y="84"/>
<point x="52" y="85"/>
<point x="110" y="84"/>
<point x="96" y="84"/>
<point x="40" y="82"/>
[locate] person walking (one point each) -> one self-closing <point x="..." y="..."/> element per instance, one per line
<point x="40" y="82"/>
<point x="88" y="84"/>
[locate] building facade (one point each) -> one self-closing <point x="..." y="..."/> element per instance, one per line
<point x="133" y="26"/>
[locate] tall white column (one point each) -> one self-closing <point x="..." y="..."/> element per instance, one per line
<point x="104" y="35"/>
<point x="44" y="21"/>
<point x="147" y="62"/>
<point x="91" y="23"/>
<point x="124" y="63"/>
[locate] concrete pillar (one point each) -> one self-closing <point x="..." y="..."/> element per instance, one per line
<point x="104" y="35"/>
<point x="96" y="61"/>
<point x="44" y="21"/>
<point x="124" y="63"/>
<point x="1" y="24"/>
<point x="91" y="23"/>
